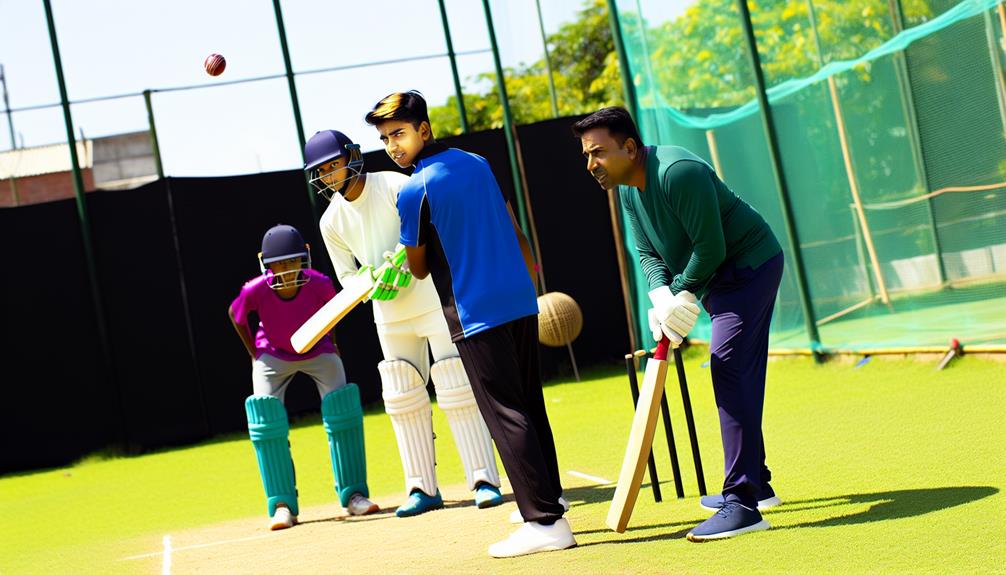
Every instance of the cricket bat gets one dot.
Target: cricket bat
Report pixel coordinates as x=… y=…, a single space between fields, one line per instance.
x=956 y=349
x=329 y=314
x=644 y=424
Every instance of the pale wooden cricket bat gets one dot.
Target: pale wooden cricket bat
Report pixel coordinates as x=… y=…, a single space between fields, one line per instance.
x=329 y=314
x=644 y=424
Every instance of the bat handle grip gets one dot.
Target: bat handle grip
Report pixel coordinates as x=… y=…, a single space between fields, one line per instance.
x=660 y=354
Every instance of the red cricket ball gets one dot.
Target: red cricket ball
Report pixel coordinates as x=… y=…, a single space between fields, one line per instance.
x=215 y=64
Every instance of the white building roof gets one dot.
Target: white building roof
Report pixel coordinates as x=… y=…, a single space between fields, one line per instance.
x=26 y=162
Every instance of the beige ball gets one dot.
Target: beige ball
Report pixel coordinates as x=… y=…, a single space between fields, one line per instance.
x=559 y=319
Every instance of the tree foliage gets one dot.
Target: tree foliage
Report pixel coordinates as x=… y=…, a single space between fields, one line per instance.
x=584 y=69
x=697 y=60
x=700 y=59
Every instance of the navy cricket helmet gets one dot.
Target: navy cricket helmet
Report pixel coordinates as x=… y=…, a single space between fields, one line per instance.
x=323 y=148
x=283 y=242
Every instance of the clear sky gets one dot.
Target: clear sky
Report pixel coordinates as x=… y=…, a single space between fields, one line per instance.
x=112 y=47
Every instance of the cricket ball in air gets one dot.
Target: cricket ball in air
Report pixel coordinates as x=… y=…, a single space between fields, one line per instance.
x=215 y=64
x=559 y=319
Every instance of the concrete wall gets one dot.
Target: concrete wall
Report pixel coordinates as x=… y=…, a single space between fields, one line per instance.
x=123 y=161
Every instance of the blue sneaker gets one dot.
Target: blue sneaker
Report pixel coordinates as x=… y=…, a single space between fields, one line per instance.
x=487 y=496
x=732 y=519
x=420 y=502
x=767 y=499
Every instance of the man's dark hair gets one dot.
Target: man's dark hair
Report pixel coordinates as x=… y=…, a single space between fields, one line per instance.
x=402 y=106
x=616 y=119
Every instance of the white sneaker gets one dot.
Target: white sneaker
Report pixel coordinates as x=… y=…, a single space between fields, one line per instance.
x=282 y=519
x=360 y=505
x=516 y=517
x=534 y=537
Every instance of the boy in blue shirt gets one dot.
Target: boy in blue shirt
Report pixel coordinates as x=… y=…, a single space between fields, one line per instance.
x=458 y=228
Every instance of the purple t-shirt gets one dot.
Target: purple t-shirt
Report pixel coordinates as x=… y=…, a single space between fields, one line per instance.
x=279 y=318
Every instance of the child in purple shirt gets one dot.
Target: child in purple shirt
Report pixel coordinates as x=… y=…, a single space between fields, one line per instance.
x=286 y=294
x=281 y=310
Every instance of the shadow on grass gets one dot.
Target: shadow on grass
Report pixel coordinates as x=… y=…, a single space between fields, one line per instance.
x=603 y=494
x=884 y=506
x=887 y=505
x=375 y=516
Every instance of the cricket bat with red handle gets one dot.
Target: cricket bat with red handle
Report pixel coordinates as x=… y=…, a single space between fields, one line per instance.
x=644 y=424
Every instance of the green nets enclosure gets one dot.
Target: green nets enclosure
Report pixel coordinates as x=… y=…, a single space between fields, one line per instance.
x=890 y=117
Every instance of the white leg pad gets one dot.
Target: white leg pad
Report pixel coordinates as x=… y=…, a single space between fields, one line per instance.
x=408 y=404
x=454 y=394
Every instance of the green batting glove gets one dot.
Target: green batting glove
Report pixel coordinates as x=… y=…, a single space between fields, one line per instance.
x=400 y=262
x=392 y=277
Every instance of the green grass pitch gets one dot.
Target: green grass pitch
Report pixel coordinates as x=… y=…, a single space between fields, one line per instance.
x=887 y=468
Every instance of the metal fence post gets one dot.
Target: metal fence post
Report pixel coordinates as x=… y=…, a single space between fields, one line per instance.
x=294 y=102
x=548 y=61
x=155 y=146
x=912 y=125
x=85 y=227
x=780 y=181
x=631 y=101
x=508 y=127
x=454 y=69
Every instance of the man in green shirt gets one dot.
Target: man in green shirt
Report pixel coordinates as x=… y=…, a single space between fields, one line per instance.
x=695 y=236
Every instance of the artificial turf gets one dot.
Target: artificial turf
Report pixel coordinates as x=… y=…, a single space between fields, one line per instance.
x=891 y=467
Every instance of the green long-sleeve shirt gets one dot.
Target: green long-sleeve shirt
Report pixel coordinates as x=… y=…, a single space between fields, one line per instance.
x=688 y=223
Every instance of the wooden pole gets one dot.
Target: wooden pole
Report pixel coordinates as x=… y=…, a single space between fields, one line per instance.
x=623 y=270
x=715 y=153
x=854 y=189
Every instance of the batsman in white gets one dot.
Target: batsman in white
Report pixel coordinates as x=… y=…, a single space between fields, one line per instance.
x=361 y=224
x=286 y=294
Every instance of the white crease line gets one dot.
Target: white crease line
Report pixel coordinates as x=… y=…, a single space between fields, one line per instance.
x=166 y=564
x=594 y=478
x=200 y=546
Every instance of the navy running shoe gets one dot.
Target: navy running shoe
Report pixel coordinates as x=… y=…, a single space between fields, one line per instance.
x=730 y=520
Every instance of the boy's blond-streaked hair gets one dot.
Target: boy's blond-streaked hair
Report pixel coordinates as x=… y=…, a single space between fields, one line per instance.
x=402 y=106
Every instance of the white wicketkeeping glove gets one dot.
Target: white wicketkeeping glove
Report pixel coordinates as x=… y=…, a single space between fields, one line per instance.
x=676 y=313
x=659 y=332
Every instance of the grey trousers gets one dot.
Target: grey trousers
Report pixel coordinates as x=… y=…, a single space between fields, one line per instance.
x=271 y=375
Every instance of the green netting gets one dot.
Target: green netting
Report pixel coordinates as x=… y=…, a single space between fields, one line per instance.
x=901 y=226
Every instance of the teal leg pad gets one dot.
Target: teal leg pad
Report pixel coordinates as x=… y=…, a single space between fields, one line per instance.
x=343 y=418
x=269 y=430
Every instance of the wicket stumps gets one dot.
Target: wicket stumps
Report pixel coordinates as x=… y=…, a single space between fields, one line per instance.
x=690 y=420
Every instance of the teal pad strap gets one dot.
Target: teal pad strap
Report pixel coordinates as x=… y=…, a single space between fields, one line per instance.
x=269 y=430
x=343 y=419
